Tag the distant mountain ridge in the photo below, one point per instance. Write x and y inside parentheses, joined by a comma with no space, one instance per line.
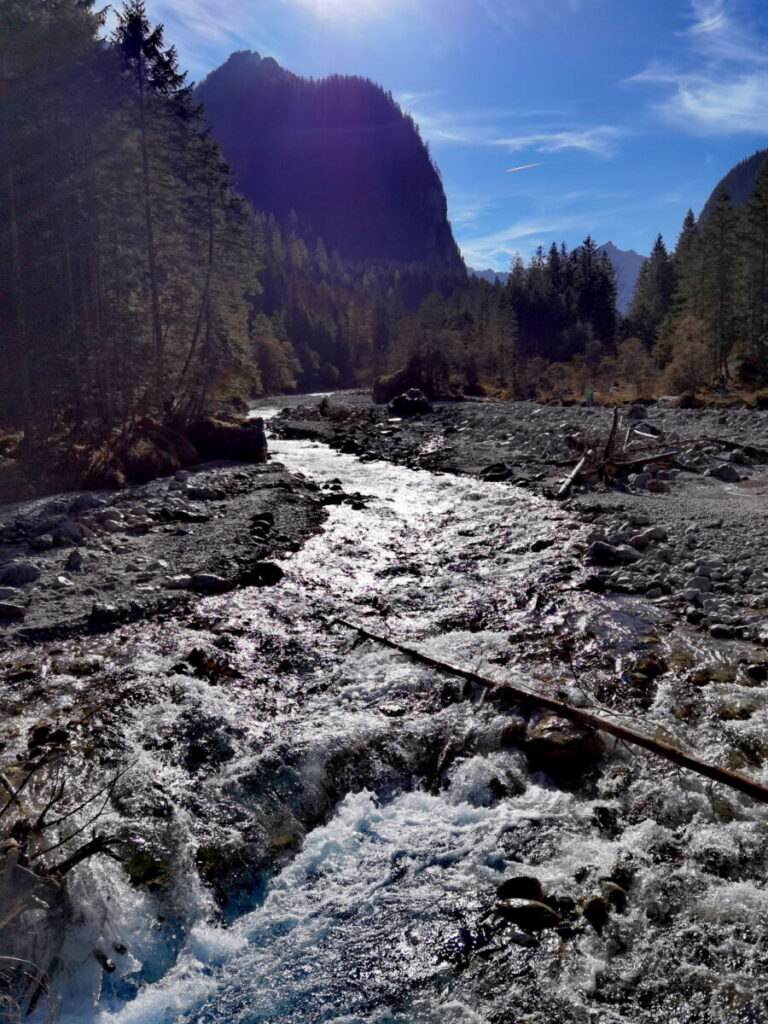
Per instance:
(338,153)
(626,265)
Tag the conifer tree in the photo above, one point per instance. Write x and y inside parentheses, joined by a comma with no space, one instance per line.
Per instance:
(754,248)
(654,293)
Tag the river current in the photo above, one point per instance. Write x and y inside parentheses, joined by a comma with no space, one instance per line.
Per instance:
(381,914)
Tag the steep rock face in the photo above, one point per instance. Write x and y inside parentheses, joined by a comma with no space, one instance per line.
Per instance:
(739,182)
(337,152)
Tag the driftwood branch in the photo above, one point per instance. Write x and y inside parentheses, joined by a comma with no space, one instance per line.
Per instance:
(574,714)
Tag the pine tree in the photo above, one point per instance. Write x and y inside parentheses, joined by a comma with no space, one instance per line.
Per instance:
(754,248)
(654,293)
(714,296)
(155,76)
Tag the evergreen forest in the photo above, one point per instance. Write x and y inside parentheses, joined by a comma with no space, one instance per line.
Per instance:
(136,281)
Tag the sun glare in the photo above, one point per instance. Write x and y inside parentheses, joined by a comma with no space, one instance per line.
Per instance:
(349,10)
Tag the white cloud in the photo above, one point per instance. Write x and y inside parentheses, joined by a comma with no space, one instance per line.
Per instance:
(600,140)
(720,85)
(497,249)
(717,107)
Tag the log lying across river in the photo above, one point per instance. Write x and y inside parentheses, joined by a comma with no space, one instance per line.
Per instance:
(659,747)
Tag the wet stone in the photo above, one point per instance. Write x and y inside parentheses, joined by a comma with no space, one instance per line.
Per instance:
(210,583)
(531,915)
(523,887)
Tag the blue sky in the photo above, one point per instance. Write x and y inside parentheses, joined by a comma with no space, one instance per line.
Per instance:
(628,110)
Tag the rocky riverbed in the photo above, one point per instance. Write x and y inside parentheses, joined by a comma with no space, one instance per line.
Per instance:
(310,824)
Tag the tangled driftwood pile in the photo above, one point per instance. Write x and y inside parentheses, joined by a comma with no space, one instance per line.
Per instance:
(636,447)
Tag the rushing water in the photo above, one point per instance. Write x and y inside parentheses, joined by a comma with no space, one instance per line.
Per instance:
(383,913)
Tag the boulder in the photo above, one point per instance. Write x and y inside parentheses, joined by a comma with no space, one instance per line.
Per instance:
(261,574)
(727,472)
(523,887)
(411,403)
(12,610)
(602,553)
(636,412)
(241,441)
(18,574)
(210,583)
(531,915)
(554,743)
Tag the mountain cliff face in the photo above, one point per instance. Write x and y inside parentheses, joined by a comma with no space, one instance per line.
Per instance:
(739,182)
(338,153)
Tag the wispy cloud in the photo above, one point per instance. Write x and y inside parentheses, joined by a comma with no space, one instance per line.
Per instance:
(600,140)
(201,27)
(497,248)
(511,15)
(720,84)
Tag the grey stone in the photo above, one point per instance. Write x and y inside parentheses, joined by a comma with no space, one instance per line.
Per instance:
(42,543)
(18,574)
(721,631)
(11,610)
(602,553)
(701,583)
(178,583)
(640,480)
(726,472)
(210,583)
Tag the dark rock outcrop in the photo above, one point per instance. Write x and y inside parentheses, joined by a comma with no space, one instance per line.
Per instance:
(338,153)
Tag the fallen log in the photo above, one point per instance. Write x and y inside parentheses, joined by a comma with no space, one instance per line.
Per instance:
(565,488)
(659,747)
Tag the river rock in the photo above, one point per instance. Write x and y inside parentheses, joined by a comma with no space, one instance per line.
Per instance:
(75,561)
(553,743)
(720,631)
(524,887)
(183,582)
(596,909)
(261,574)
(726,472)
(18,574)
(42,543)
(12,610)
(657,487)
(412,402)
(602,553)
(532,915)
(210,583)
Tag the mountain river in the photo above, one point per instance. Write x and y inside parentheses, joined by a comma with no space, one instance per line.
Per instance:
(388,810)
